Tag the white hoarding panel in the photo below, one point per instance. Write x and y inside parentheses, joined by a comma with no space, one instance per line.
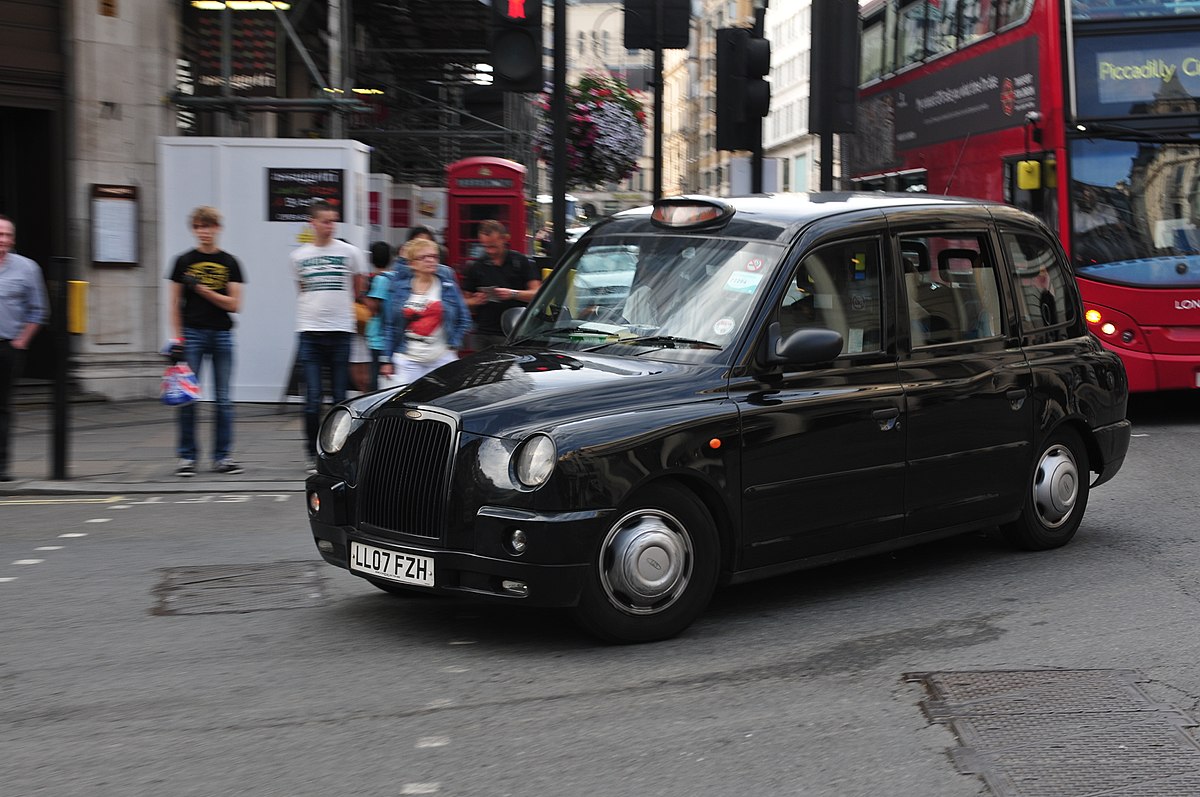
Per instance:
(234,175)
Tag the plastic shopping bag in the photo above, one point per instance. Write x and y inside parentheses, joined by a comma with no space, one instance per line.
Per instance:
(179,385)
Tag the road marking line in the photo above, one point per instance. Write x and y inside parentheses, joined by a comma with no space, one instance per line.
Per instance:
(49,548)
(421,788)
(463,642)
(432,741)
(98,520)
(455,668)
(8,578)
(56,501)
(28,561)
(74,534)
(441,702)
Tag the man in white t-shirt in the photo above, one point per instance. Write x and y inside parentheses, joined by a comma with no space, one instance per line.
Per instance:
(330,274)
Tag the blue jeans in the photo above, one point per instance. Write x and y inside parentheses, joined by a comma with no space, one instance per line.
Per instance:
(322,351)
(217,345)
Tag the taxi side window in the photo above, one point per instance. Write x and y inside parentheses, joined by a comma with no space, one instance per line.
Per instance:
(952,287)
(837,287)
(1040,278)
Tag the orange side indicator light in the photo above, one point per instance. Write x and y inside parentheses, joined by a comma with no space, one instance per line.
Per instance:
(715,443)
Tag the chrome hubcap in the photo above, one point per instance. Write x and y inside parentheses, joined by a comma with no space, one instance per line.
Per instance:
(646,562)
(1056,486)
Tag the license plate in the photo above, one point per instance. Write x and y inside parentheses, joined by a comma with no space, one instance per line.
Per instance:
(392,565)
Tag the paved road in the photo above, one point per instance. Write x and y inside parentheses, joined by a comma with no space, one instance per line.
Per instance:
(319,684)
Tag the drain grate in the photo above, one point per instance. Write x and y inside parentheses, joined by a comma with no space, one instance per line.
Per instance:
(226,589)
(1054,733)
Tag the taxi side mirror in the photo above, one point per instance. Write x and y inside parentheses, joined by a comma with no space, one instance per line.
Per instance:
(803,346)
(510,318)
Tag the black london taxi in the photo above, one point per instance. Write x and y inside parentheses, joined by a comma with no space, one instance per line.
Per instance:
(776,383)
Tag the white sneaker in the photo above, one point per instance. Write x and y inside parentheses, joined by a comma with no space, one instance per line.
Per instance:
(186,467)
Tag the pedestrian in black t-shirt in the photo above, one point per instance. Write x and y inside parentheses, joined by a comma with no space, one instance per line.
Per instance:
(495,282)
(206,286)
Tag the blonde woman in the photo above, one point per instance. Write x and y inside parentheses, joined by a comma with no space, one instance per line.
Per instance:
(427,318)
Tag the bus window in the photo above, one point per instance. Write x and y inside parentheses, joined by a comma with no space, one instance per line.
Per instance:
(912,34)
(977,19)
(943,21)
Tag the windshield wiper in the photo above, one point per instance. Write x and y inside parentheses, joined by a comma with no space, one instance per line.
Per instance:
(662,341)
(578,329)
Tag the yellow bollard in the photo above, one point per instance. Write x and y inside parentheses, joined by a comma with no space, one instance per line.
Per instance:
(76,307)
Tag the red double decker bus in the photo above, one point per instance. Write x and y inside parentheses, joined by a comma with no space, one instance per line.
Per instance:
(1083,112)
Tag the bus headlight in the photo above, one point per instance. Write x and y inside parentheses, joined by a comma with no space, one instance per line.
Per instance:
(534,461)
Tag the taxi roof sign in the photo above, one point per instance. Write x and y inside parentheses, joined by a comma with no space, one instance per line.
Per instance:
(691,212)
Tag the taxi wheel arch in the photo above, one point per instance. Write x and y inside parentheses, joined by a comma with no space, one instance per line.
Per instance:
(654,570)
(1056,494)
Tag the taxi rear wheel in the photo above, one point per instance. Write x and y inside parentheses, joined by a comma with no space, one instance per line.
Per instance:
(655,569)
(1055,497)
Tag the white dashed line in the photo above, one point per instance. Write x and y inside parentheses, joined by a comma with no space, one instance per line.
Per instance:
(463,642)
(121,506)
(432,741)
(98,520)
(441,702)
(8,578)
(74,534)
(455,669)
(28,561)
(49,548)
(421,788)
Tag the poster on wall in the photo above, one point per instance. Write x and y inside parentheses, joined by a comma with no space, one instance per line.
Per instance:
(291,191)
(114,224)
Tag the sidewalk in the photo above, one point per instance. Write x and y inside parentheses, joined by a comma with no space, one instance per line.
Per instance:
(129,447)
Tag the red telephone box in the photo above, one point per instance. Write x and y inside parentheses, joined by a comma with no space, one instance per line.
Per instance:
(479,189)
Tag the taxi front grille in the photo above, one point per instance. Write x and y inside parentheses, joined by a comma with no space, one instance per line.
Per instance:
(404,484)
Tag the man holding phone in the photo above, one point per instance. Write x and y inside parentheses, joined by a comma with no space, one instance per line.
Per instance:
(497,281)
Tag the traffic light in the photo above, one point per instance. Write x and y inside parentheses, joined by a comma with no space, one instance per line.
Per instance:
(833,66)
(743,95)
(516,45)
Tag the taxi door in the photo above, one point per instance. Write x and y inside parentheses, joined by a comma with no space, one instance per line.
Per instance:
(968,385)
(824,446)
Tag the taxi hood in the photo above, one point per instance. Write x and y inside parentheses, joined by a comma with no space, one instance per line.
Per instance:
(511,390)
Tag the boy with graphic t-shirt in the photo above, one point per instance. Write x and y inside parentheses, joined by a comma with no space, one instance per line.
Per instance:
(206,287)
(330,275)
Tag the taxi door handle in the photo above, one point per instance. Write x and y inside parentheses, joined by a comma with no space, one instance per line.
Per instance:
(887,419)
(1016,397)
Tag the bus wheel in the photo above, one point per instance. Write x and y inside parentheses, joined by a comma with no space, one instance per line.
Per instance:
(654,571)
(1056,496)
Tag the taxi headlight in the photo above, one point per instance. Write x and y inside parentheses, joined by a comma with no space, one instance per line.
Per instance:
(335,430)
(535,461)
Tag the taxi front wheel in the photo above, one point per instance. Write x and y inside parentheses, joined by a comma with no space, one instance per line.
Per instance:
(1055,497)
(655,569)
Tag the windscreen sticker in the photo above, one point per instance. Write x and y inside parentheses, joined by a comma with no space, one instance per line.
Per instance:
(743,282)
(755,265)
(723,326)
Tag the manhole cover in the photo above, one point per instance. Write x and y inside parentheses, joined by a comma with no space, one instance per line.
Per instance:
(1052,733)
(223,589)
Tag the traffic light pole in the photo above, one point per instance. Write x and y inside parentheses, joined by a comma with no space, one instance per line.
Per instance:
(558,111)
(756,154)
(658,100)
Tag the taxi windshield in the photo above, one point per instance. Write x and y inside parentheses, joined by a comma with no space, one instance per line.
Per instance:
(677,296)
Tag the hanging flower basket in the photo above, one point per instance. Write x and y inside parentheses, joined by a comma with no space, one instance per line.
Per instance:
(606,127)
